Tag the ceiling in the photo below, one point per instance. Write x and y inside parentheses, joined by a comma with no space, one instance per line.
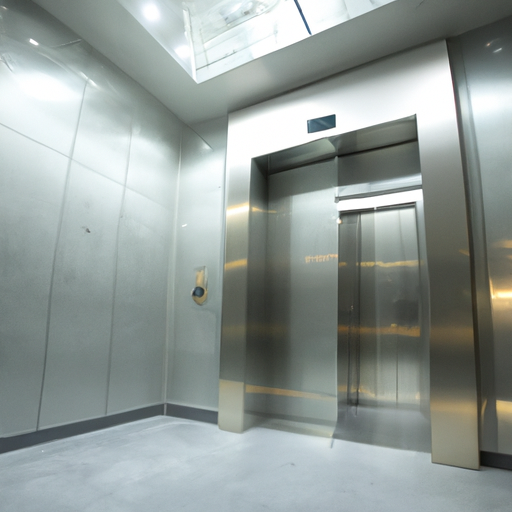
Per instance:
(107,26)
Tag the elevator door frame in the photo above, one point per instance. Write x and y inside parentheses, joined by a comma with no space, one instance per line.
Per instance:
(366,102)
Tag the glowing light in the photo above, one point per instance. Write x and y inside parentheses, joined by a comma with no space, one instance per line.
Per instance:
(183,52)
(34,42)
(151,12)
(368,203)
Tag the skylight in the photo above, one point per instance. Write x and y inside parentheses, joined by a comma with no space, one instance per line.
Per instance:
(209,37)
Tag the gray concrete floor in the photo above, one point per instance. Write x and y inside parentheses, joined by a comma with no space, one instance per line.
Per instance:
(167,464)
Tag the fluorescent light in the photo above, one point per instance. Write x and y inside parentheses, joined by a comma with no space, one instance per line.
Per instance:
(32,41)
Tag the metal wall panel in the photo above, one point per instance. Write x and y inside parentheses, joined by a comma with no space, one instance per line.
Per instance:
(104,132)
(259,363)
(482,62)
(235,292)
(140,312)
(32,180)
(390,344)
(58,92)
(155,151)
(412,83)
(42,88)
(195,331)
(75,381)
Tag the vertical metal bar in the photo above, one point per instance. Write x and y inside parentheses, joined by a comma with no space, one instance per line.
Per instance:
(357,306)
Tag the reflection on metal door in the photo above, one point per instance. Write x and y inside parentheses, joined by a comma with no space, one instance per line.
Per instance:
(382,351)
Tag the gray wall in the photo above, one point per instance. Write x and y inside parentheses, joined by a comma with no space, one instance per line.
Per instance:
(195,332)
(482,64)
(89,164)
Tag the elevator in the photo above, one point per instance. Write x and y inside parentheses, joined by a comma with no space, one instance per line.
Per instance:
(347,300)
(383,355)
(349,287)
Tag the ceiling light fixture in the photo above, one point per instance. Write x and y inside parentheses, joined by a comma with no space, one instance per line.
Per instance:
(151,12)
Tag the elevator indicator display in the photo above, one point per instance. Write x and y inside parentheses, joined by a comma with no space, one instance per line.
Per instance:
(321,123)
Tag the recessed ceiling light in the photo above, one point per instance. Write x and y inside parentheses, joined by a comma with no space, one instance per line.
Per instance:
(151,12)
(183,51)
(32,41)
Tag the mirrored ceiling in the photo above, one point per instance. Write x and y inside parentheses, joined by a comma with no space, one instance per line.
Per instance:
(209,37)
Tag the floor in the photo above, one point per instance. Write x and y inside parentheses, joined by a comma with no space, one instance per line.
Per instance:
(167,464)
(395,427)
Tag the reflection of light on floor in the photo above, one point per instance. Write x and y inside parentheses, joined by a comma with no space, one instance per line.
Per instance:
(402,427)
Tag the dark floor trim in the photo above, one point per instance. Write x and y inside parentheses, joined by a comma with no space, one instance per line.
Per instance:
(8,444)
(191,413)
(496,460)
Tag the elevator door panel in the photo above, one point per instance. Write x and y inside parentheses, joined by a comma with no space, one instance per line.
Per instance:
(301,294)
(381,351)
(389,302)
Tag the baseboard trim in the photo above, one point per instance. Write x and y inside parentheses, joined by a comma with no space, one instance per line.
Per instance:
(496,460)
(9,444)
(191,413)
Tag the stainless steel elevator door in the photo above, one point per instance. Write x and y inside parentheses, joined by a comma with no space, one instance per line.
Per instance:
(296,382)
(382,351)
